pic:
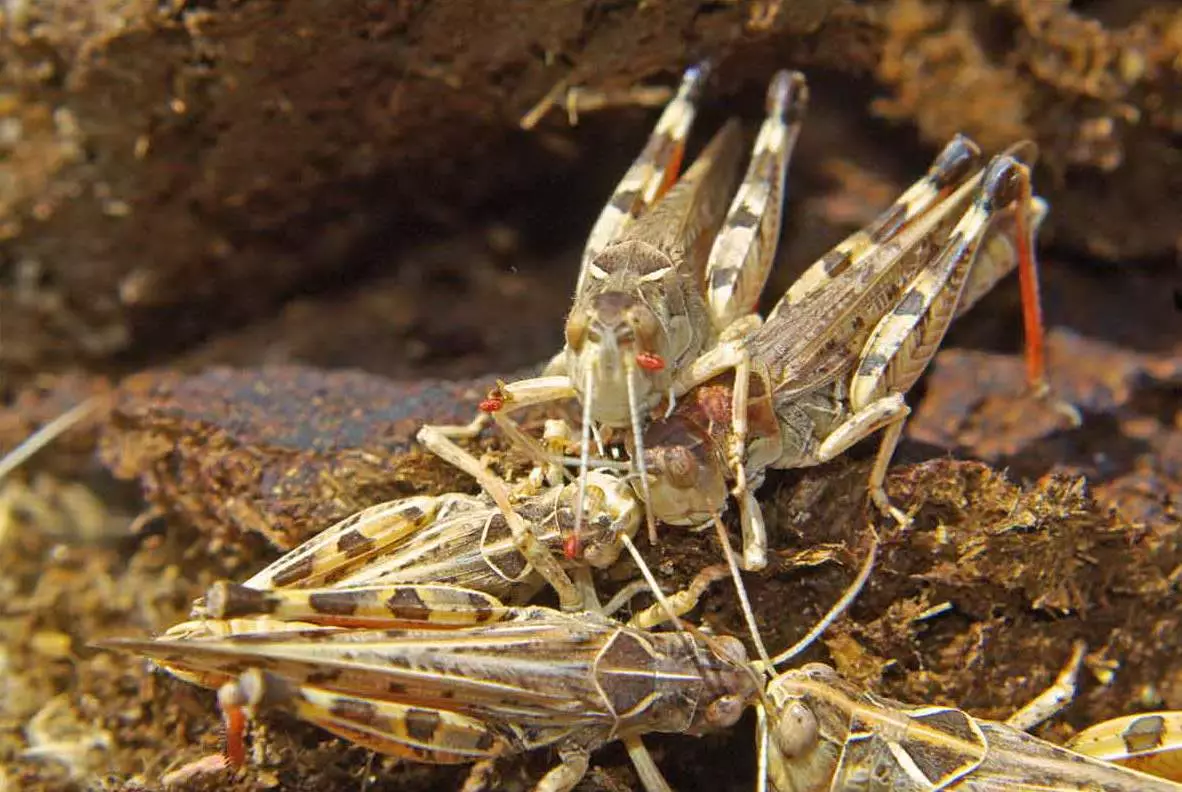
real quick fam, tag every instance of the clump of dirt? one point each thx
(177, 170)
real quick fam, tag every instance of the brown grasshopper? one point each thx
(828, 736)
(833, 361)
(466, 541)
(445, 675)
(665, 274)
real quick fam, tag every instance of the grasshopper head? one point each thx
(616, 342)
(804, 751)
(610, 509)
(687, 472)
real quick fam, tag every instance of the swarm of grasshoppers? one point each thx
(447, 675)
(391, 629)
(661, 327)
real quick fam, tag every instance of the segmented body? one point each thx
(831, 364)
(462, 540)
(509, 680)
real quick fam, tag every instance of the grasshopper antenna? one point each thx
(838, 608)
(46, 435)
(741, 590)
(638, 456)
(573, 543)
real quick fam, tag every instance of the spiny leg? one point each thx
(906, 339)
(525, 540)
(422, 734)
(1052, 700)
(653, 172)
(1010, 244)
(952, 166)
(742, 254)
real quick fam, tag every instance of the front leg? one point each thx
(523, 537)
(509, 397)
(890, 412)
(574, 760)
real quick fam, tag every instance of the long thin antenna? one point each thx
(666, 605)
(46, 435)
(584, 461)
(838, 608)
(638, 446)
(741, 590)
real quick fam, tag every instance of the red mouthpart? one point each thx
(572, 547)
(650, 361)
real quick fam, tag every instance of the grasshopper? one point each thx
(665, 274)
(828, 736)
(467, 541)
(377, 663)
(458, 539)
(444, 675)
(833, 361)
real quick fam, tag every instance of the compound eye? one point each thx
(796, 730)
(647, 330)
(576, 331)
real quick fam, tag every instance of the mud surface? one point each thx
(334, 331)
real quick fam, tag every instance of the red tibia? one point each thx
(235, 736)
(1036, 365)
